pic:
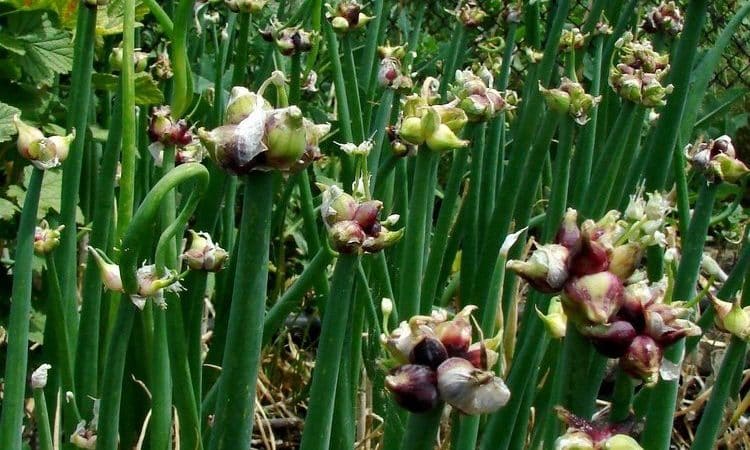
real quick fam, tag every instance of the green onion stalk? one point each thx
(318, 425)
(523, 138)
(495, 153)
(608, 164)
(342, 102)
(500, 223)
(141, 224)
(710, 424)
(182, 84)
(11, 422)
(161, 376)
(414, 240)
(63, 356)
(584, 157)
(78, 114)
(235, 402)
(41, 414)
(664, 397)
(446, 217)
(352, 89)
(470, 247)
(670, 119)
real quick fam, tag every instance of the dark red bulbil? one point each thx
(611, 340)
(428, 352)
(414, 387)
(591, 258)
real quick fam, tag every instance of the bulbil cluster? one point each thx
(259, 137)
(164, 131)
(475, 95)
(594, 268)
(639, 75)
(572, 39)
(470, 14)
(46, 239)
(203, 254)
(732, 317)
(346, 16)
(586, 435)
(665, 18)
(43, 152)
(353, 225)
(424, 122)
(390, 72)
(288, 40)
(717, 159)
(570, 98)
(246, 6)
(434, 360)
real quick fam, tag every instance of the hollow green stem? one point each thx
(161, 17)
(446, 218)
(161, 380)
(88, 346)
(496, 434)
(378, 126)
(182, 91)
(126, 200)
(11, 422)
(310, 225)
(410, 289)
(623, 397)
(352, 89)
(711, 421)
(584, 157)
(142, 221)
(295, 78)
(78, 113)
(161, 386)
(340, 86)
(608, 163)
(317, 432)
(470, 248)
(43, 431)
(109, 410)
(663, 400)
(184, 394)
(670, 119)
(369, 71)
(63, 357)
(421, 430)
(236, 395)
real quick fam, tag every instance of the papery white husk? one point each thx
(469, 389)
(249, 134)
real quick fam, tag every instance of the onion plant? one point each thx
(254, 223)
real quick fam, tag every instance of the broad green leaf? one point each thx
(48, 52)
(49, 198)
(109, 19)
(7, 209)
(12, 44)
(65, 9)
(7, 129)
(147, 90)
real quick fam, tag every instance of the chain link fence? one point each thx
(733, 71)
